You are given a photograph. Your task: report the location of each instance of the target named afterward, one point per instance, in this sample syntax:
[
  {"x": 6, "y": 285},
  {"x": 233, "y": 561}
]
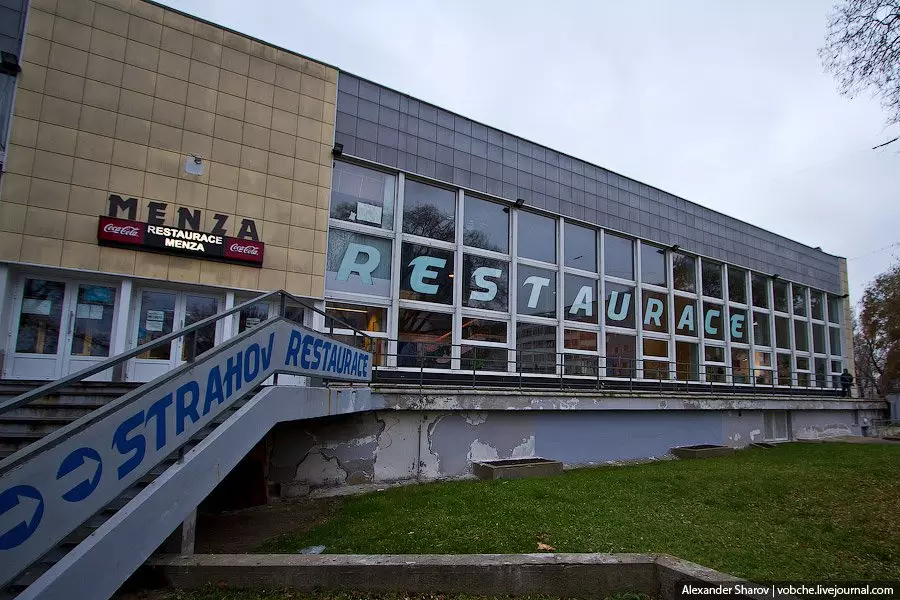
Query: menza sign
[
  {"x": 155, "y": 236},
  {"x": 423, "y": 273}
]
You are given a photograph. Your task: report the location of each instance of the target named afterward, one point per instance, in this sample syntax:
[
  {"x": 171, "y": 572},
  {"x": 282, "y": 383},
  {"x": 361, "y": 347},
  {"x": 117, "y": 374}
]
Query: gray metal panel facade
[
  {"x": 12, "y": 21},
  {"x": 379, "y": 124}
]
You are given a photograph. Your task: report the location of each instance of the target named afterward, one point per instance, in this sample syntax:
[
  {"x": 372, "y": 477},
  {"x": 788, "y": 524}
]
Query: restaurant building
[{"x": 158, "y": 169}]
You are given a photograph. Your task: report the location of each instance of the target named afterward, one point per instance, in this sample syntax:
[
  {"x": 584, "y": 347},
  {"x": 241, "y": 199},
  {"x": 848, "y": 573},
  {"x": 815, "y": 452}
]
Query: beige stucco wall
[
  {"x": 847, "y": 322},
  {"x": 113, "y": 96}
]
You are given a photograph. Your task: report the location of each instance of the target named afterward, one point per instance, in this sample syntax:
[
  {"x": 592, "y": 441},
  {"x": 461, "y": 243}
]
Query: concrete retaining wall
[{"x": 434, "y": 438}]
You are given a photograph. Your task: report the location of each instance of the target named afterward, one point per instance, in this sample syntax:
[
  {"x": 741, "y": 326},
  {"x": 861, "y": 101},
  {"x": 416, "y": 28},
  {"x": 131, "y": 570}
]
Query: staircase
[{"x": 95, "y": 476}]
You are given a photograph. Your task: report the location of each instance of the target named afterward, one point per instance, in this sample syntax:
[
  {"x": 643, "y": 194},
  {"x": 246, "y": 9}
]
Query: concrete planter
[
  {"x": 702, "y": 451},
  {"x": 516, "y": 467}
]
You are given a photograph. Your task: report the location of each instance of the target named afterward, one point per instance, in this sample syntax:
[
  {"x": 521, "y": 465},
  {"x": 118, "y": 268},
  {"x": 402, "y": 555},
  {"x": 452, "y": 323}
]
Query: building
[{"x": 160, "y": 168}]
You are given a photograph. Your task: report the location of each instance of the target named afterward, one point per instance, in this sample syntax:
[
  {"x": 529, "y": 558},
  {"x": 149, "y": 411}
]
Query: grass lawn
[
  {"x": 214, "y": 594},
  {"x": 798, "y": 511}
]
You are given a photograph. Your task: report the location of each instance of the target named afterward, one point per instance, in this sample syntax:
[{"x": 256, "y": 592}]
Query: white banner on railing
[{"x": 67, "y": 477}]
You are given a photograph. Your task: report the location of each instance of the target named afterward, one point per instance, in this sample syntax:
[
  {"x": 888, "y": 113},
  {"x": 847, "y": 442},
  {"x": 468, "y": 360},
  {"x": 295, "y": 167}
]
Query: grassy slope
[{"x": 799, "y": 511}]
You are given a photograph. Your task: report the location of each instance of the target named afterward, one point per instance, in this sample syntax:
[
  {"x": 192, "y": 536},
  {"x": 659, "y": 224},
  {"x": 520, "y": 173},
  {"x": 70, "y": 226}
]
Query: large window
[
  {"x": 537, "y": 237},
  {"x": 426, "y": 274},
  {"x": 817, "y": 305},
  {"x": 655, "y": 311},
  {"x": 687, "y": 365},
  {"x": 653, "y": 265},
  {"x": 780, "y": 289},
  {"x": 835, "y": 309},
  {"x": 799, "y": 300},
  {"x": 685, "y": 316},
  {"x": 712, "y": 279},
  {"x": 363, "y": 318},
  {"x": 618, "y": 256},
  {"x": 620, "y": 355},
  {"x": 424, "y": 339},
  {"x": 737, "y": 285},
  {"x": 684, "y": 276},
  {"x": 536, "y": 292},
  {"x": 580, "y": 298},
  {"x": 619, "y": 305},
  {"x": 358, "y": 263},
  {"x": 486, "y": 225},
  {"x": 361, "y": 195},
  {"x": 759, "y": 285},
  {"x": 740, "y": 365},
  {"x": 801, "y": 336},
  {"x": 536, "y": 348},
  {"x": 485, "y": 283},
  {"x": 761, "y": 334},
  {"x": 783, "y": 333},
  {"x": 714, "y": 321},
  {"x": 580, "y": 247},
  {"x": 738, "y": 326},
  {"x": 429, "y": 211},
  {"x": 483, "y": 330}
]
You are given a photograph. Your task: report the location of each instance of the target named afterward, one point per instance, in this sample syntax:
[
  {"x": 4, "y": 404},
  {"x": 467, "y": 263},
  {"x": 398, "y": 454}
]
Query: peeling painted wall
[{"x": 397, "y": 445}]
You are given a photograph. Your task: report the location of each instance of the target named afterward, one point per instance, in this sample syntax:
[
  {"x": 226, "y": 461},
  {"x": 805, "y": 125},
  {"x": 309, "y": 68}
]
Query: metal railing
[
  {"x": 188, "y": 332},
  {"x": 428, "y": 364}
]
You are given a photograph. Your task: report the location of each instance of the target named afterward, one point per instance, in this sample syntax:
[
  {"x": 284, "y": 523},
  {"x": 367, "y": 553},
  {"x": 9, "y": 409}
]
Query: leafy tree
[
  {"x": 862, "y": 50},
  {"x": 879, "y": 329}
]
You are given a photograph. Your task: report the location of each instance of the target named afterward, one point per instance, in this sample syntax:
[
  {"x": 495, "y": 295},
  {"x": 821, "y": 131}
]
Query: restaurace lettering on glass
[{"x": 362, "y": 260}]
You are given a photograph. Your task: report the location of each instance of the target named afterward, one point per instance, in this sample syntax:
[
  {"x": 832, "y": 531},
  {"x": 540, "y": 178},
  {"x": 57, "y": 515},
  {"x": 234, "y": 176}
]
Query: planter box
[
  {"x": 702, "y": 451},
  {"x": 516, "y": 467}
]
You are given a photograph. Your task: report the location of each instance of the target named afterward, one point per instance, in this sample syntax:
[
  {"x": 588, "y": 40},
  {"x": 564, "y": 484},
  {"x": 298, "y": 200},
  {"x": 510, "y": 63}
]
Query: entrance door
[
  {"x": 159, "y": 313},
  {"x": 62, "y": 327}
]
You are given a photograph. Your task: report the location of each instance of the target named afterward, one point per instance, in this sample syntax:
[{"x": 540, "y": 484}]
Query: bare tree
[
  {"x": 862, "y": 50},
  {"x": 868, "y": 367},
  {"x": 879, "y": 329}
]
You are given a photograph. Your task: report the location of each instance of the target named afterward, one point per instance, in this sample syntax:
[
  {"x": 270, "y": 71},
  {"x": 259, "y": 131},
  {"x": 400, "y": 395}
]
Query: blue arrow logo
[
  {"x": 21, "y": 509},
  {"x": 83, "y": 468}
]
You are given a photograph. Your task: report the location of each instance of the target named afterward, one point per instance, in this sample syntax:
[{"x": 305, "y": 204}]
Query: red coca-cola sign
[
  {"x": 121, "y": 231},
  {"x": 173, "y": 240},
  {"x": 245, "y": 250}
]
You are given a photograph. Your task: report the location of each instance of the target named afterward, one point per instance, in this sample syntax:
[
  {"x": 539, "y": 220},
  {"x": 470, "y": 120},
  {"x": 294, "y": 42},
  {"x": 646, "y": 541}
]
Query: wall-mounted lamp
[
  {"x": 775, "y": 276},
  {"x": 338, "y": 149},
  {"x": 193, "y": 165},
  {"x": 9, "y": 64},
  {"x": 520, "y": 202},
  {"x": 845, "y": 296},
  {"x": 675, "y": 247}
]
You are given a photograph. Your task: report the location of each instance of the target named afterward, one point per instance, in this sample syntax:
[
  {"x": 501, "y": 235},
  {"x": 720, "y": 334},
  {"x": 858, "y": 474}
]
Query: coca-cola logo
[
  {"x": 126, "y": 230},
  {"x": 239, "y": 249}
]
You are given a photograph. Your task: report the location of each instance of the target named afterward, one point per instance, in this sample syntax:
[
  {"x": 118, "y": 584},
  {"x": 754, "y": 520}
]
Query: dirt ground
[{"x": 242, "y": 531}]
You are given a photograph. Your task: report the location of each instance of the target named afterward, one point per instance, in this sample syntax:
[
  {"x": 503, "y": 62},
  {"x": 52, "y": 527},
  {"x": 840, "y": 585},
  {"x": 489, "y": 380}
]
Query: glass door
[
  {"x": 41, "y": 313},
  {"x": 197, "y": 308},
  {"x": 92, "y": 311}
]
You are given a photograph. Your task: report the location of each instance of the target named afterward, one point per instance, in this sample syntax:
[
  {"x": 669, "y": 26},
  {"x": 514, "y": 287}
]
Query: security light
[
  {"x": 675, "y": 247},
  {"x": 338, "y": 149},
  {"x": 520, "y": 202}
]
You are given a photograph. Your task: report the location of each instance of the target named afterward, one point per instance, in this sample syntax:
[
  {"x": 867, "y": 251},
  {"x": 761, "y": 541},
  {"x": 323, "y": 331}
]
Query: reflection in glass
[
  {"x": 580, "y": 298},
  {"x": 740, "y": 365},
  {"x": 821, "y": 377},
  {"x": 759, "y": 286},
  {"x": 620, "y": 355},
  {"x": 653, "y": 265},
  {"x": 655, "y": 347},
  {"x": 818, "y": 332},
  {"x": 363, "y": 318},
  {"x": 834, "y": 334},
  {"x": 537, "y": 237},
  {"x": 580, "y": 365},
  {"x": 801, "y": 339},
  {"x": 619, "y": 305},
  {"x": 485, "y": 283},
  {"x": 537, "y": 292},
  {"x": 426, "y": 273},
  {"x": 712, "y": 279},
  {"x": 252, "y": 316},
  {"x": 483, "y": 330},
  {"x": 782, "y": 333},
  {"x": 536, "y": 348},
  {"x": 93, "y": 320},
  {"x": 581, "y": 247},
  {"x": 358, "y": 263},
  {"x": 687, "y": 365},
  {"x": 618, "y": 256},
  {"x": 784, "y": 369},
  {"x": 715, "y": 373},
  {"x": 40, "y": 316},
  {"x": 486, "y": 225},
  {"x": 816, "y": 305},
  {"x": 780, "y": 289},
  {"x": 157, "y": 317},
  {"x": 481, "y": 358},
  {"x": 362, "y": 195},
  {"x": 684, "y": 276},
  {"x": 655, "y": 311},
  {"x": 685, "y": 316},
  {"x": 377, "y": 346},
  {"x": 737, "y": 285},
  {"x": 715, "y": 354},
  {"x": 197, "y": 308},
  {"x": 424, "y": 339},
  {"x": 761, "y": 334},
  {"x": 429, "y": 211},
  {"x": 578, "y": 339},
  {"x": 737, "y": 325},
  {"x": 835, "y": 308},
  {"x": 799, "y": 300},
  {"x": 713, "y": 321}
]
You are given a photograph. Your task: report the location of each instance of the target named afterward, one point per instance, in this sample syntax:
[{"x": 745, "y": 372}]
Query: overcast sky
[{"x": 722, "y": 103}]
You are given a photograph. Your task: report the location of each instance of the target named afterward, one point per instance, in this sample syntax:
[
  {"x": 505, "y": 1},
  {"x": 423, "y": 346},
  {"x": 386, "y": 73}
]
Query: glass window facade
[{"x": 578, "y": 304}]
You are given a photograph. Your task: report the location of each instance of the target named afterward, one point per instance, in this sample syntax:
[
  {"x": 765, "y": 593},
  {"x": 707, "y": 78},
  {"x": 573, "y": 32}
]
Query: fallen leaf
[{"x": 546, "y": 547}]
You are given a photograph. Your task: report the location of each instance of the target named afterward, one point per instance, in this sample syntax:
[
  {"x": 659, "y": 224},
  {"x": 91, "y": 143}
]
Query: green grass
[
  {"x": 216, "y": 594},
  {"x": 798, "y": 511}
]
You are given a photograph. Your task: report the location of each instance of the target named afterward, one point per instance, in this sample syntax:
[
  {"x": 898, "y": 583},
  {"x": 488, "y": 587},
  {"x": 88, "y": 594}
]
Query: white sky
[{"x": 722, "y": 103}]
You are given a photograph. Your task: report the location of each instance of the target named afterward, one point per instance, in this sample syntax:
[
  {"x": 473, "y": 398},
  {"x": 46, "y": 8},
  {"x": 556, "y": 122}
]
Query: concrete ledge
[{"x": 562, "y": 575}]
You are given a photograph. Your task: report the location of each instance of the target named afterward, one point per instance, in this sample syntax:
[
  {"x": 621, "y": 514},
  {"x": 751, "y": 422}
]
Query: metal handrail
[
  {"x": 557, "y": 369},
  {"x": 109, "y": 363}
]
